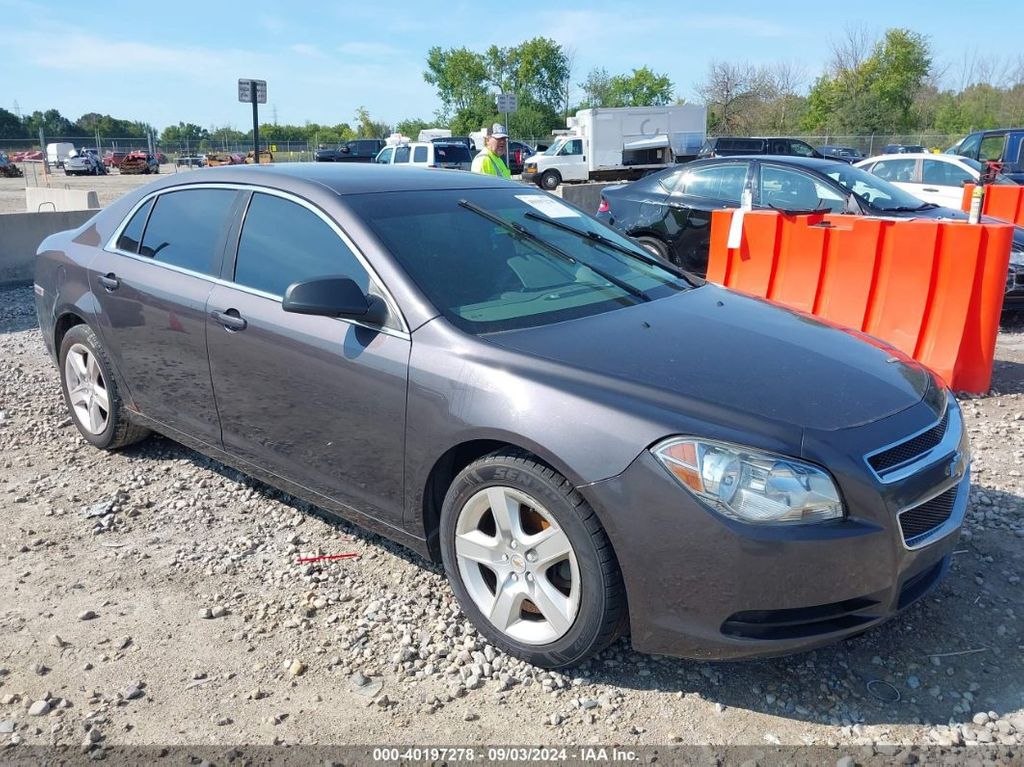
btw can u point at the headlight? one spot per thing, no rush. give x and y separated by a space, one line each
749 485
531 167
1017 257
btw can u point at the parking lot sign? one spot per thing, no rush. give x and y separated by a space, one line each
245 91
506 102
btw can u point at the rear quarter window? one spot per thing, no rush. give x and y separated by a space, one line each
131 236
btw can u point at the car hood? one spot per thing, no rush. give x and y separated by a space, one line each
952 214
715 347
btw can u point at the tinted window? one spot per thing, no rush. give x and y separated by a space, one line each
943 173
367 147
402 154
790 189
722 182
132 234
283 242
451 153
740 145
419 154
186 229
895 170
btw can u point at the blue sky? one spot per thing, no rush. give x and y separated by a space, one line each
146 62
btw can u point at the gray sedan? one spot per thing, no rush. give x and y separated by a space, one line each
589 439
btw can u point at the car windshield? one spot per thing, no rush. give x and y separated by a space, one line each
554 148
485 278
878 193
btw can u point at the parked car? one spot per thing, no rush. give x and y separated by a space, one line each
518 153
8 169
83 163
903 149
935 178
139 162
585 437
669 212
192 161
1002 145
112 159
58 152
466 141
727 146
434 154
359 150
846 153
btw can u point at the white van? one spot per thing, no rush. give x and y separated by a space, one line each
57 153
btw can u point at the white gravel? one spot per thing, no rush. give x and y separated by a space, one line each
205 629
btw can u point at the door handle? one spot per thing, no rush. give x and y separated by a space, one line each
929 189
230 320
109 281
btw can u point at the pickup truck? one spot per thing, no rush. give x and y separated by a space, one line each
359 150
1004 146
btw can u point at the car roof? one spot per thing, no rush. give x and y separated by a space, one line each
341 178
814 163
915 156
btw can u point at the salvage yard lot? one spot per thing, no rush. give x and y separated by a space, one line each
154 596
108 188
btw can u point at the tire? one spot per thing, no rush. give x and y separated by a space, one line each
551 613
98 410
549 179
655 247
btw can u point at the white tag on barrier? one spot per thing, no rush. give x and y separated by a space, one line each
735 230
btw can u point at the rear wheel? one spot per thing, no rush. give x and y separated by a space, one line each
654 246
91 393
550 179
529 561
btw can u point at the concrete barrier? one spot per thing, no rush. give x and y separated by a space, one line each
20 235
42 199
586 197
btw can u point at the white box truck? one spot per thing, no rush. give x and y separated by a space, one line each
619 144
57 153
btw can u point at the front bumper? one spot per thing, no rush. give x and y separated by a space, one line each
529 177
703 586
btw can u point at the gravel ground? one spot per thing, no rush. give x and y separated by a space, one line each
108 188
153 596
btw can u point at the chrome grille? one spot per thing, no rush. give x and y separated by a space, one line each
910 449
922 519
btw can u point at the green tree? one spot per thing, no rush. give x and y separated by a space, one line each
368 128
640 89
183 133
460 77
411 126
596 89
53 123
11 126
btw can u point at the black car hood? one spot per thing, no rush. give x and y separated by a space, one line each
952 214
714 346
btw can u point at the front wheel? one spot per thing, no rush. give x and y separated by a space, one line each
529 561
550 179
655 246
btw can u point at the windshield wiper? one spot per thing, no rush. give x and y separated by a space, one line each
910 209
521 232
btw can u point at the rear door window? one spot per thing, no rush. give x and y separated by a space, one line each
187 229
283 242
419 154
401 154
720 182
895 170
131 236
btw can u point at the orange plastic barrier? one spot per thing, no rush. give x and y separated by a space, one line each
932 289
1000 201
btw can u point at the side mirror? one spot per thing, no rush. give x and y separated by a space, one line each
334 297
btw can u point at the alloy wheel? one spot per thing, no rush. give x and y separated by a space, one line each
87 391
518 565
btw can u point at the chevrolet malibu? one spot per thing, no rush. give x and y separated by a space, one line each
589 440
